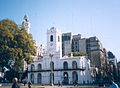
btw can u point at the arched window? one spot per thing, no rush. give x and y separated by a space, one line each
39 67
74 65
52 65
65 65
65 78
32 67
39 78
58 38
51 38
32 77
74 77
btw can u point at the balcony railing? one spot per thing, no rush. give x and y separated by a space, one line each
69 69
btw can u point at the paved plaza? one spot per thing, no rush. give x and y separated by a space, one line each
55 87
47 86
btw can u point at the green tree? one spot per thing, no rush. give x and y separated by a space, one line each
16 45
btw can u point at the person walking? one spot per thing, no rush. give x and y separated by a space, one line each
15 83
113 84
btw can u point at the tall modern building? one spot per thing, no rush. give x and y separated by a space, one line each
90 46
95 51
78 44
66 43
75 43
111 58
82 45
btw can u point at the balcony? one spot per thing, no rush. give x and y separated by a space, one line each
69 69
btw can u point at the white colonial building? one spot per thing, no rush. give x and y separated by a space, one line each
51 67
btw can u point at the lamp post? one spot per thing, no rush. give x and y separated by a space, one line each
51 76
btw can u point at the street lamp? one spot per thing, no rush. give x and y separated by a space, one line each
51 65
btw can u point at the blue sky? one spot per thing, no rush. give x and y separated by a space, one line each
99 18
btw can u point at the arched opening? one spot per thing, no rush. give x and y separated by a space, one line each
65 65
32 78
32 67
51 73
39 78
51 78
52 65
74 65
75 77
51 38
65 78
39 67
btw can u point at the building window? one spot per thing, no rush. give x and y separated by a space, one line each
32 67
51 38
74 77
74 65
39 78
58 38
39 67
65 65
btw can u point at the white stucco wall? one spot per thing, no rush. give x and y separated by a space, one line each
59 71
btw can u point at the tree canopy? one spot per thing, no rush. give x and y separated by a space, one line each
16 45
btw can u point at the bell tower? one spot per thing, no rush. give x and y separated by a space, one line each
54 42
26 23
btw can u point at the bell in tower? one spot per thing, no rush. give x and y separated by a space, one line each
26 23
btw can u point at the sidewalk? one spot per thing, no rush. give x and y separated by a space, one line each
68 87
7 85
